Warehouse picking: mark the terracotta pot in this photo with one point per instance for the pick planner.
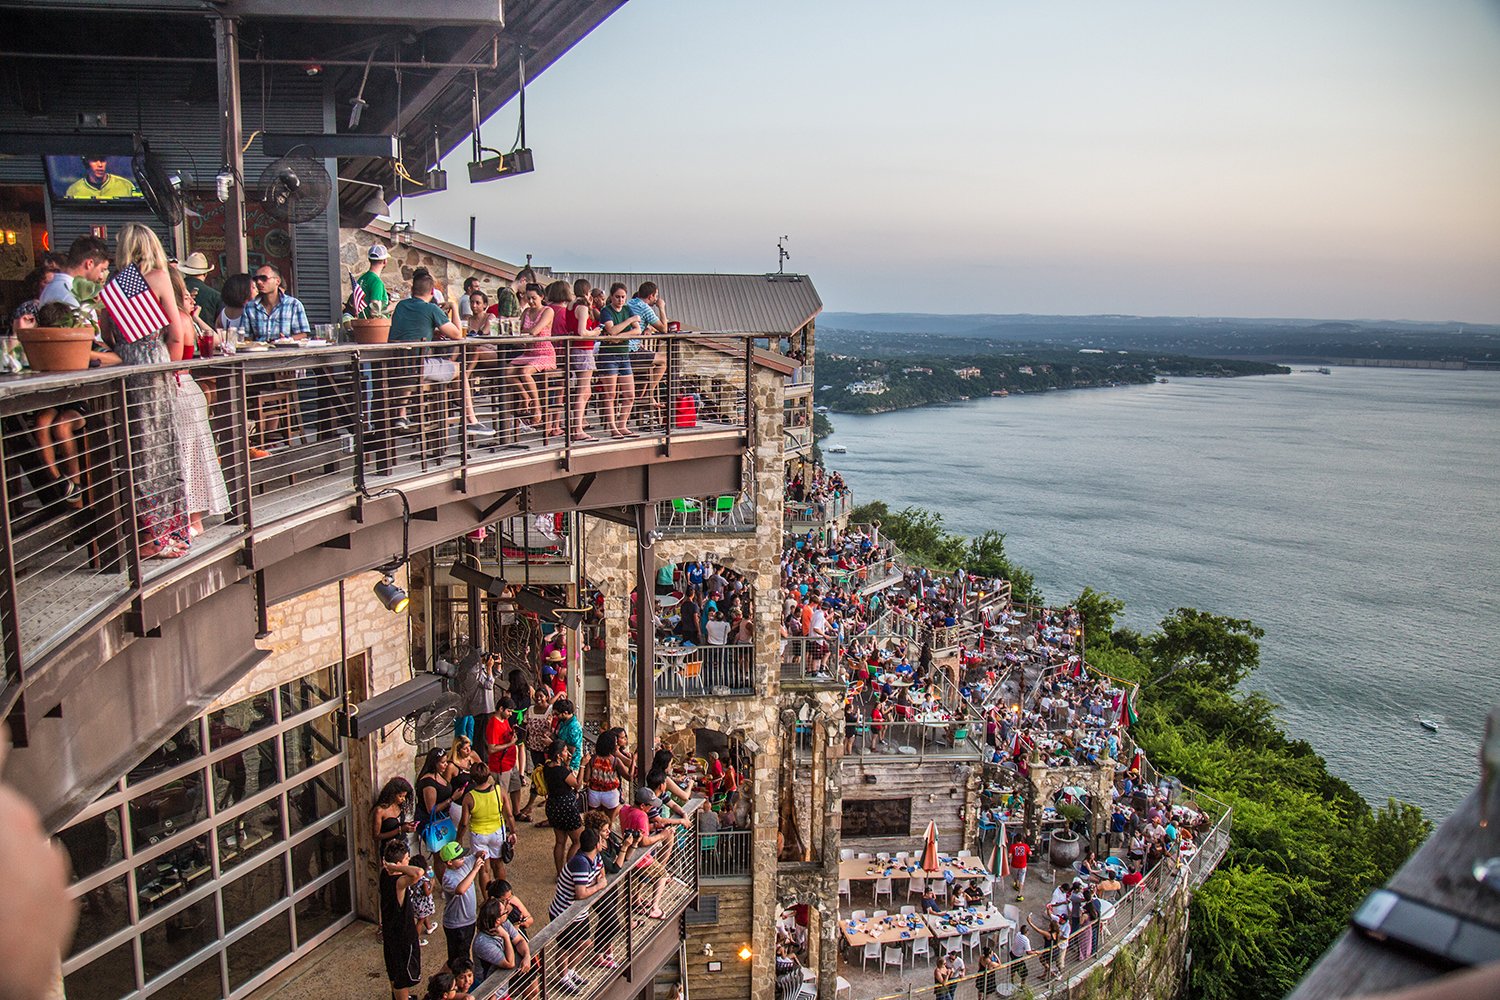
(57, 348)
(1066, 848)
(371, 331)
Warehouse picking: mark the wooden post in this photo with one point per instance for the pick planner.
(645, 646)
(227, 53)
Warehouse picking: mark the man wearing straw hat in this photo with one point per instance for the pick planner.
(205, 295)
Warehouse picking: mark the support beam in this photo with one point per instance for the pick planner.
(227, 52)
(488, 514)
(645, 644)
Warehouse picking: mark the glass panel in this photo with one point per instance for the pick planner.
(161, 812)
(93, 843)
(180, 748)
(177, 937)
(101, 912)
(239, 720)
(198, 983)
(259, 949)
(250, 834)
(247, 896)
(322, 852)
(108, 977)
(308, 692)
(322, 908)
(172, 875)
(316, 798)
(310, 743)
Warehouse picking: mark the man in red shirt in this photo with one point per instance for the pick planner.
(1133, 877)
(1020, 851)
(501, 739)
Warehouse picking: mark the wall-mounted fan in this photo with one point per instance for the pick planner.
(295, 188)
(159, 186)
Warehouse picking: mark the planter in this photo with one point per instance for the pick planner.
(57, 348)
(370, 331)
(1066, 849)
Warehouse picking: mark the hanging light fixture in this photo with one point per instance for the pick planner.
(392, 596)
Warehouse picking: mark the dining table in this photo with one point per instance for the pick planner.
(968, 920)
(894, 928)
(867, 869)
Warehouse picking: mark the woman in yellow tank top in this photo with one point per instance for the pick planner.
(486, 817)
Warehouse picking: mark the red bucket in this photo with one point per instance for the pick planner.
(686, 414)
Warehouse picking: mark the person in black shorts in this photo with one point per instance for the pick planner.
(399, 940)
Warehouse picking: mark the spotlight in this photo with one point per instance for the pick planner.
(392, 596)
(745, 953)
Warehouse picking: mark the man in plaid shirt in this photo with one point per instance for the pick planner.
(273, 314)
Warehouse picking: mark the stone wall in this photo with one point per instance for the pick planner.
(304, 636)
(354, 249)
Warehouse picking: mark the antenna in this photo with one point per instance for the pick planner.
(782, 256)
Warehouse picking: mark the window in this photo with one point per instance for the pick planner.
(877, 818)
(170, 862)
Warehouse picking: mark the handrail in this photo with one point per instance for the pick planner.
(293, 432)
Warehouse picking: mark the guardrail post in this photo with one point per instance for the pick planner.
(12, 609)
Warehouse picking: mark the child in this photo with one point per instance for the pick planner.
(423, 908)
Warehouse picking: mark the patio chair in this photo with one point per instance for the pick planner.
(692, 673)
(882, 856)
(845, 890)
(882, 885)
(846, 853)
(724, 508)
(893, 956)
(879, 913)
(971, 943)
(921, 946)
(953, 946)
(842, 988)
(915, 887)
(682, 507)
(906, 910)
(966, 854)
(1012, 913)
(864, 855)
(858, 915)
(872, 950)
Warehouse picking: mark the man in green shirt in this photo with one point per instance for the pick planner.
(209, 303)
(416, 320)
(371, 281)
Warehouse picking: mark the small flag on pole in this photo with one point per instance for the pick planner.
(357, 296)
(132, 305)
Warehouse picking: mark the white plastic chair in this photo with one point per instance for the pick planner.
(882, 885)
(921, 946)
(858, 915)
(893, 956)
(864, 855)
(1012, 913)
(846, 853)
(908, 910)
(842, 988)
(882, 856)
(915, 887)
(987, 887)
(953, 946)
(901, 856)
(879, 913)
(872, 950)
(845, 890)
(972, 943)
(965, 854)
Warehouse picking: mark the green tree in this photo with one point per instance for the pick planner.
(1098, 611)
(1197, 645)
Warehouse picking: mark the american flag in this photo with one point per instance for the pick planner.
(132, 305)
(356, 297)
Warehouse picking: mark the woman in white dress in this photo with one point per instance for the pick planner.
(202, 476)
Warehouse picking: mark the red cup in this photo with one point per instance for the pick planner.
(674, 327)
(205, 345)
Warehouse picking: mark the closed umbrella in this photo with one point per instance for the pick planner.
(930, 850)
(999, 861)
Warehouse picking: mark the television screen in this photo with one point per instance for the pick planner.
(92, 180)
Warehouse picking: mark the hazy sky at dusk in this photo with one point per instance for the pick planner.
(1330, 159)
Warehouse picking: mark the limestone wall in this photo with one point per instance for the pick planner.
(354, 249)
(1151, 965)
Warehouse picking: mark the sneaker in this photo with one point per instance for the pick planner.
(258, 453)
(607, 961)
(402, 424)
(479, 429)
(571, 982)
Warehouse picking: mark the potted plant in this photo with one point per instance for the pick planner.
(61, 341)
(1066, 847)
(372, 326)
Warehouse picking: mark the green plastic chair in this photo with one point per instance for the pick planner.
(682, 507)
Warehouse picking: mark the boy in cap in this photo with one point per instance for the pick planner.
(460, 914)
(371, 281)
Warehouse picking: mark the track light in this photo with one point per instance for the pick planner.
(392, 596)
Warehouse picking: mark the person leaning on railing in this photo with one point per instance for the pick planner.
(415, 319)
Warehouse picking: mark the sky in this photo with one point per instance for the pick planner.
(1337, 159)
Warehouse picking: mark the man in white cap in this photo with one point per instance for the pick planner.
(371, 281)
(205, 295)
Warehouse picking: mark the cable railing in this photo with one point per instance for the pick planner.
(591, 944)
(116, 477)
(707, 671)
(724, 855)
(723, 513)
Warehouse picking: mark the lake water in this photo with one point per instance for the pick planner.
(1354, 516)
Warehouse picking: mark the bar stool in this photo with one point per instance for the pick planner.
(277, 403)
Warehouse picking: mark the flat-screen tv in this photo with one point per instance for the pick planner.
(92, 180)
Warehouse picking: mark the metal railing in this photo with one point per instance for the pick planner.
(587, 947)
(105, 470)
(724, 855)
(798, 437)
(812, 659)
(803, 515)
(534, 539)
(721, 514)
(703, 672)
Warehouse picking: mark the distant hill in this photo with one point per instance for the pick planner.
(1279, 339)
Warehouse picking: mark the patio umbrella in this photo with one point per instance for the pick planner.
(1135, 762)
(930, 850)
(999, 861)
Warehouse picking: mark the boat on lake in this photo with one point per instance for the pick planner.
(837, 449)
(1428, 725)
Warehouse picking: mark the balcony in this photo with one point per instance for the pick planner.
(323, 476)
(567, 949)
(702, 671)
(799, 438)
(715, 515)
(811, 515)
(724, 856)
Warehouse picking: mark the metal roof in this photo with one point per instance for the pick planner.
(773, 305)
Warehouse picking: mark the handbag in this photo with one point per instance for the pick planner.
(439, 370)
(438, 832)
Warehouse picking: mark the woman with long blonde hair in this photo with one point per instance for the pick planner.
(160, 500)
